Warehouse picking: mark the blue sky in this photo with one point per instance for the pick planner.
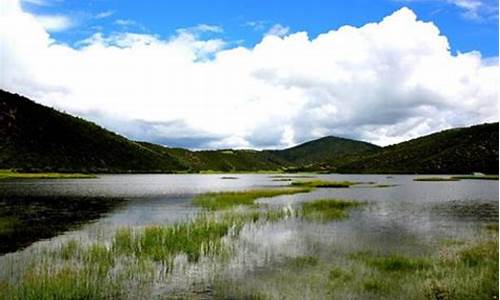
(468, 24)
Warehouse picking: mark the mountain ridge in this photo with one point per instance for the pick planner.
(37, 138)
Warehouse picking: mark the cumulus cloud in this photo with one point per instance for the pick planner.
(383, 82)
(278, 30)
(54, 23)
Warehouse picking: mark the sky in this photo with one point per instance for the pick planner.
(256, 74)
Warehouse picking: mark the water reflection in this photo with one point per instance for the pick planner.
(409, 217)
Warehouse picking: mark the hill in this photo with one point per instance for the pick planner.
(37, 138)
(323, 149)
(226, 160)
(40, 139)
(453, 151)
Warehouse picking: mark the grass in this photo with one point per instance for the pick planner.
(115, 270)
(436, 179)
(478, 177)
(327, 209)
(8, 224)
(395, 263)
(323, 184)
(226, 200)
(301, 262)
(292, 176)
(163, 243)
(9, 174)
(466, 270)
(383, 185)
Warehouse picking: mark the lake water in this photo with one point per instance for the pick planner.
(409, 217)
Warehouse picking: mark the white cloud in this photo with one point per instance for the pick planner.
(478, 10)
(278, 30)
(104, 14)
(54, 23)
(208, 28)
(123, 22)
(256, 24)
(383, 82)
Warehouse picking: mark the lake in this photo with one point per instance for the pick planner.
(291, 257)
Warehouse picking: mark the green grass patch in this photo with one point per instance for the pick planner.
(323, 184)
(8, 224)
(292, 176)
(301, 262)
(492, 227)
(436, 179)
(163, 243)
(8, 174)
(226, 200)
(327, 209)
(477, 177)
(338, 274)
(398, 263)
(460, 270)
(383, 185)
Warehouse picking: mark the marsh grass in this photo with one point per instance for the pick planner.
(226, 200)
(394, 263)
(323, 184)
(9, 174)
(292, 176)
(436, 179)
(477, 177)
(302, 262)
(327, 209)
(162, 243)
(383, 185)
(461, 271)
(8, 224)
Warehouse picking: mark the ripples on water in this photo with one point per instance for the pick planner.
(410, 217)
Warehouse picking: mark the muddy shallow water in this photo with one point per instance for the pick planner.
(407, 217)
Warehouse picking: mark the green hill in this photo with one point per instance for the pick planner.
(227, 160)
(40, 139)
(323, 149)
(453, 151)
(37, 138)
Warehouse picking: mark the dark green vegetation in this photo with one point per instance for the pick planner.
(323, 184)
(458, 178)
(225, 200)
(36, 138)
(436, 179)
(222, 160)
(323, 149)
(24, 220)
(454, 151)
(478, 177)
(383, 185)
(327, 209)
(7, 174)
